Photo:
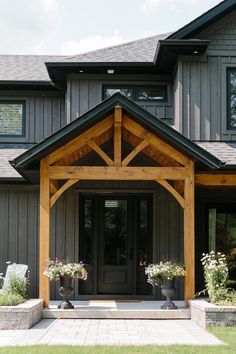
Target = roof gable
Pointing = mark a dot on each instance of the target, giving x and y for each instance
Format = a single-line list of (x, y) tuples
[(203, 21), (30, 159)]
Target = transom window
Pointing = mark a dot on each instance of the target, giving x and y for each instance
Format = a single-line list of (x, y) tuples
[(137, 93), (231, 87), (12, 117)]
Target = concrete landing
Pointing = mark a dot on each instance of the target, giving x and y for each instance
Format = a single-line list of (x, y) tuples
[(114, 309)]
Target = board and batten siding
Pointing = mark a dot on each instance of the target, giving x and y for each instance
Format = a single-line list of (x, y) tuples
[(45, 114), (85, 92), (19, 230), (19, 220), (200, 85)]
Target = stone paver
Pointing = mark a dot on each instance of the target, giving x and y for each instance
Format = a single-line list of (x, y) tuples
[(109, 332)]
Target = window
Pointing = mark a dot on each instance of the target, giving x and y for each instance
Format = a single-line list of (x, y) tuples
[(222, 236), (231, 97), (12, 117), (137, 93)]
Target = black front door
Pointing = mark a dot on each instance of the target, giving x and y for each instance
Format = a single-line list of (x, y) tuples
[(115, 243), (115, 246)]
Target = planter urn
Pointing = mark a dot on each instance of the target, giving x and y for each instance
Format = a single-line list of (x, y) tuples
[(66, 292), (168, 290)]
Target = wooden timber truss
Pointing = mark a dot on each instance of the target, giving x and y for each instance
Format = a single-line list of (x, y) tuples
[(174, 171)]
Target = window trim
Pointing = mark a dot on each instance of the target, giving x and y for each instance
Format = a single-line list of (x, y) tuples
[(228, 98), (22, 135), (136, 87)]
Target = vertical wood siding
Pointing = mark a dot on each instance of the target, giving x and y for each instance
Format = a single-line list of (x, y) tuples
[(200, 85), (19, 220), (19, 231), (83, 94)]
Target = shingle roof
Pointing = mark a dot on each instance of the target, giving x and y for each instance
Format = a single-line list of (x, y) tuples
[(33, 68), (141, 50), (226, 152), (25, 67), (8, 153)]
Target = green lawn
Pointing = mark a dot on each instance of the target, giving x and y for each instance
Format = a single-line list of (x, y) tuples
[(228, 335)]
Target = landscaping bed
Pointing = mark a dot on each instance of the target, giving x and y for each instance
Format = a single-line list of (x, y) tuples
[(22, 316), (205, 314)]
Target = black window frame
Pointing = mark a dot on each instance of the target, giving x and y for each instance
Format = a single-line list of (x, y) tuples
[(22, 135), (229, 71), (136, 87)]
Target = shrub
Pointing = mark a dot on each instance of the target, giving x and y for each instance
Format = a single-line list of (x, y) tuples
[(18, 285), (216, 275), (8, 299)]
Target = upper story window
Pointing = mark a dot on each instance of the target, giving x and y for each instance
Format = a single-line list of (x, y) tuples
[(231, 97), (12, 118), (137, 93)]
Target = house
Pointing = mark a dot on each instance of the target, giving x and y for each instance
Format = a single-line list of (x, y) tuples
[(120, 157)]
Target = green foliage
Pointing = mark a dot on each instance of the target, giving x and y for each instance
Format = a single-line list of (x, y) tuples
[(8, 299), (216, 276), (164, 270), (18, 285)]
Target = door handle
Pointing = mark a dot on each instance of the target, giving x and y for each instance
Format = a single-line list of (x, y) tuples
[(131, 254)]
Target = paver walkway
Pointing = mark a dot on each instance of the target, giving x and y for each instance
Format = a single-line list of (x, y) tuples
[(109, 332)]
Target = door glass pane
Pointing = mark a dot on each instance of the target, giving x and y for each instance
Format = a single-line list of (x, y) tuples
[(222, 237), (115, 232), (87, 234), (143, 232)]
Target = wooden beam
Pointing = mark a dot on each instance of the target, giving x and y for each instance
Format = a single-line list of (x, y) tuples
[(117, 135), (175, 194), (60, 191), (179, 187), (216, 179), (135, 152), (100, 152), (53, 186), (152, 139), (44, 233), (189, 234), (79, 141), (116, 173)]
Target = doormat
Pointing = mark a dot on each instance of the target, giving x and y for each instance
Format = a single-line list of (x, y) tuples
[(133, 300)]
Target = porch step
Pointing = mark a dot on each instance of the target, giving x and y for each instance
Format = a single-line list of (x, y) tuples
[(122, 310)]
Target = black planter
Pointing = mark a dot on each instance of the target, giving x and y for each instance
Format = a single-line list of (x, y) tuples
[(168, 290), (65, 291)]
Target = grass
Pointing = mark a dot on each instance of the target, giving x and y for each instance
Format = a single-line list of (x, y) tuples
[(227, 335)]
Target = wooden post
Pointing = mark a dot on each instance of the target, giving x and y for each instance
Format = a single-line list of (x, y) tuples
[(117, 135), (44, 232), (189, 232)]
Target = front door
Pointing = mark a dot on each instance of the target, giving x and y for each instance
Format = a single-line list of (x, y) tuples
[(115, 243), (115, 246)]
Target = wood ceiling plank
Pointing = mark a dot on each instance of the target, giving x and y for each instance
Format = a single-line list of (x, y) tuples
[(79, 141), (159, 144), (100, 152), (135, 152)]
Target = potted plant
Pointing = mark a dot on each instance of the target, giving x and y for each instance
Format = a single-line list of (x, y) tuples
[(59, 269), (163, 274)]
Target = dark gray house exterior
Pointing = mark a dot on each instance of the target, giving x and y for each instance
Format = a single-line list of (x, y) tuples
[(120, 157)]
